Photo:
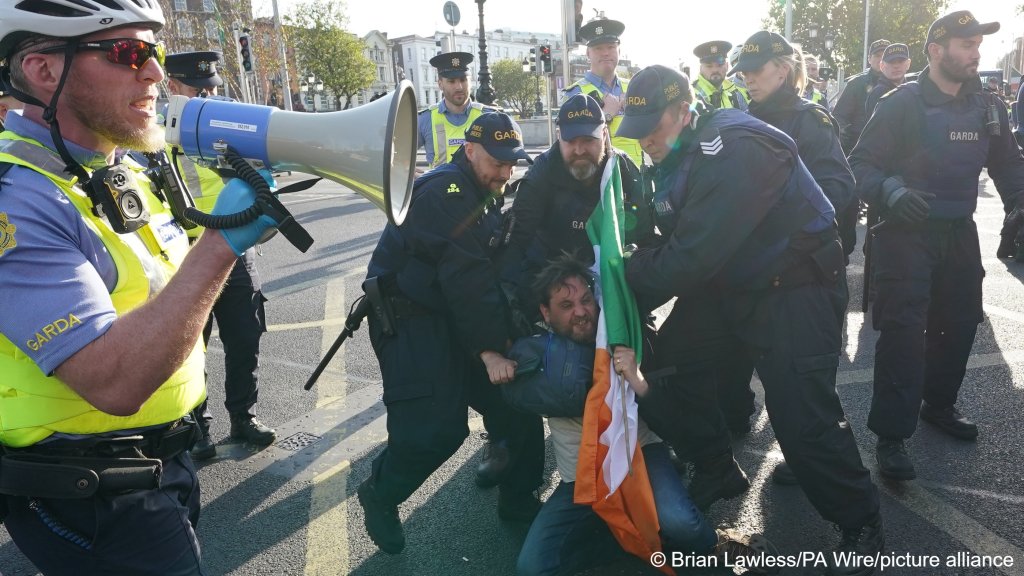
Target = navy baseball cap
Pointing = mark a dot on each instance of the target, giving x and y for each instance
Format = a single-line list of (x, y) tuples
[(759, 49), (894, 52), (452, 64), (499, 134), (878, 45), (959, 24), (581, 115), (196, 69), (651, 90)]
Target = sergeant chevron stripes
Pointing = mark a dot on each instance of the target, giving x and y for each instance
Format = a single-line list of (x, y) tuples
[(713, 147)]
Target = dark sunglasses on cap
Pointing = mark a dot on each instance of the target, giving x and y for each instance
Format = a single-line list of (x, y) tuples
[(130, 52)]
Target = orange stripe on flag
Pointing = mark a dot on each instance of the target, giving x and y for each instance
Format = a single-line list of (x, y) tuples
[(629, 511)]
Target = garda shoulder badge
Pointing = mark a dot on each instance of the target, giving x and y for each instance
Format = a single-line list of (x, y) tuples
[(7, 230), (823, 116), (453, 188)]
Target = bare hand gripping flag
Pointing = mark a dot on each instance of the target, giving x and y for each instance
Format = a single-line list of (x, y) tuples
[(610, 474)]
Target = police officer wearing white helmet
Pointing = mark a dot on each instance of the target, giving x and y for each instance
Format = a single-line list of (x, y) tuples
[(100, 309)]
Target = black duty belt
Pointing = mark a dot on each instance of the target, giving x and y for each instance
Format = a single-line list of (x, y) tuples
[(82, 467)]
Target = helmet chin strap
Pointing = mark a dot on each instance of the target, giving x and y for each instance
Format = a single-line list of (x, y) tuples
[(50, 116), (50, 111)]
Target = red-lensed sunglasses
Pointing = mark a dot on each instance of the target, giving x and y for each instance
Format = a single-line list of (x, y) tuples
[(130, 52)]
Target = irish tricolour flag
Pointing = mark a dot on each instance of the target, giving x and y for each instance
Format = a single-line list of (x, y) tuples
[(610, 474)]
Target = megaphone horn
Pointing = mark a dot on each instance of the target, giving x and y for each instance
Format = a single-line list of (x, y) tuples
[(370, 149)]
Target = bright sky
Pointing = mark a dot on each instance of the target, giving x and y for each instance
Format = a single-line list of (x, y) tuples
[(655, 33)]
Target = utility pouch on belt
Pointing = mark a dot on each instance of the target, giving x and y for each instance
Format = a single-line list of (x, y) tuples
[(44, 476), (381, 305), (828, 261)]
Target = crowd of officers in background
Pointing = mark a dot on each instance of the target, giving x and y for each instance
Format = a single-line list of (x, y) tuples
[(743, 191)]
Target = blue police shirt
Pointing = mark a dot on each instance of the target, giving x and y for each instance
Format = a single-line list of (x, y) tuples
[(614, 88), (58, 267)]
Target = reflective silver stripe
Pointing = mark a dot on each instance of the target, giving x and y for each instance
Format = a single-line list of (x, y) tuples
[(440, 144), (43, 158), (188, 170)]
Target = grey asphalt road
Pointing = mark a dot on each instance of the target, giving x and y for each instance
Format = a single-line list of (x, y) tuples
[(290, 509)]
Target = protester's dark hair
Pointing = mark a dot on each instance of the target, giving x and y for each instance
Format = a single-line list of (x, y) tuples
[(555, 274)]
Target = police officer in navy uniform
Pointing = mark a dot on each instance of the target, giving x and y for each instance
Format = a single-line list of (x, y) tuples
[(441, 347), (774, 80), (849, 109), (241, 319), (555, 198), (918, 162), (758, 252), (892, 72), (712, 86), (442, 127)]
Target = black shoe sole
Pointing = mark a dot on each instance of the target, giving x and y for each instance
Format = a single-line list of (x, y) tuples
[(899, 476), (198, 455), (248, 440), (958, 434)]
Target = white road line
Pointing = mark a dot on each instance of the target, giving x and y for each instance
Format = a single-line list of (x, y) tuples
[(915, 497)]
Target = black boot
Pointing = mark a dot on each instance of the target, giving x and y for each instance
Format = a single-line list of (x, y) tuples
[(493, 464), (381, 519), (950, 421), (893, 461), (719, 478), (251, 430), (867, 540), (204, 448)]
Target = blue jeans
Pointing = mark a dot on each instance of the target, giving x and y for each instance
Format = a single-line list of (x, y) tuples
[(566, 538)]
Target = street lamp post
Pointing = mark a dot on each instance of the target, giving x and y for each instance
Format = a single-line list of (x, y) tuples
[(484, 93)]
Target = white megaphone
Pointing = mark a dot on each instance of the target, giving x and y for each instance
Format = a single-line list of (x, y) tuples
[(370, 149)]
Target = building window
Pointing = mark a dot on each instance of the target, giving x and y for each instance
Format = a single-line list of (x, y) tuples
[(212, 30), (180, 5), (184, 28), (208, 6), (423, 53), (409, 50), (380, 73)]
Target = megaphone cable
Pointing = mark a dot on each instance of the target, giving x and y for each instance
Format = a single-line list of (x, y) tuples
[(266, 203)]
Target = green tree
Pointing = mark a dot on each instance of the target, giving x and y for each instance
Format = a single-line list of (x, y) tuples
[(324, 48), (516, 90), (843, 21)]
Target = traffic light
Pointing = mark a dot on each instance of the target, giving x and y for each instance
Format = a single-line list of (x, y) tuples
[(243, 43), (545, 59), (534, 61)]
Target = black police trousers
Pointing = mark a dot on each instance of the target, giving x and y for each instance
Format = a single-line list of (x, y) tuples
[(928, 308), (138, 532), (430, 381), (794, 337), (241, 320)]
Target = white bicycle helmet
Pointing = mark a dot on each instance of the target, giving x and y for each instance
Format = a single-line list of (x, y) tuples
[(72, 18)]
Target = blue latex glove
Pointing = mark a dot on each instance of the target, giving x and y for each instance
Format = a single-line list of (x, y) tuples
[(236, 196)]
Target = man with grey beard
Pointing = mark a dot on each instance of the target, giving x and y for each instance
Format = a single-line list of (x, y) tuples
[(556, 196)]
